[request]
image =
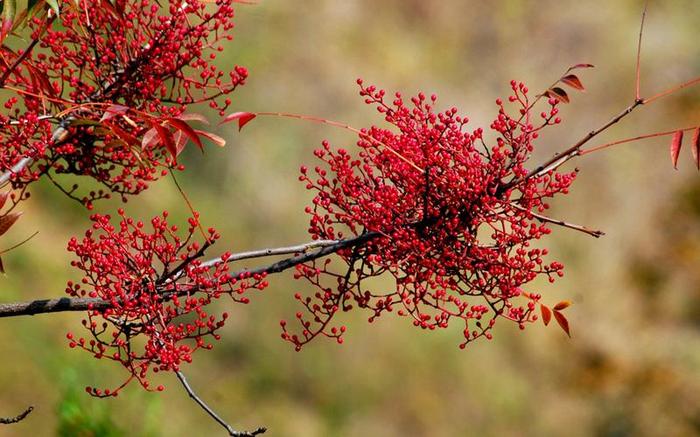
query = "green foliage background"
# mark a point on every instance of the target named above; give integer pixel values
(632, 367)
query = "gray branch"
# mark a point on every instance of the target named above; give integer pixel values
(324, 248)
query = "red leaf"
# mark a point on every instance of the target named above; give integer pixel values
(563, 323)
(557, 93)
(167, 139)
(2, 267)
(120, 5)
(187, 130)
(8, 220)
(573, 81)
(5, 28)
(695, 147)
(242, 117)
(676, 144)
(150, 138)
(40, 80)
(3, 198)
(106, 4)
(562, 305)
(125, 136)
(180, 142)
(546, 314)
(114, 110)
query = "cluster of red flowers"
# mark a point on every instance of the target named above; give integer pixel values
(450, 217)
(102, 91)
(156, 287)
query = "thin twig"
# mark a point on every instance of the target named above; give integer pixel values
(189, 204)
(637, 138)
(13, 247)
(19, 418)
(575, 227)
(363, 135)
(573, 151)
(671, 90)
(213, 414)
(639, 54)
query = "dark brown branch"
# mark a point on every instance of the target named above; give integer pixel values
(213, 414)
(19, 418)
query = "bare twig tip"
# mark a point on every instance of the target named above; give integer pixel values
(19, 418)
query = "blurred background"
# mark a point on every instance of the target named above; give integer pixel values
(632, 366)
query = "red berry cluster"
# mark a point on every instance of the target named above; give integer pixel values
(446, 212)
(142, 54)
(150, 284)
(102, 91)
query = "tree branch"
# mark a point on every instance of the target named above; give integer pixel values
(213, 414)
(19, 418)
(57, 135)
(274, 251)
(43, 306)
(560, 158)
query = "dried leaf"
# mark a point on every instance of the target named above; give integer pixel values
(212, 137)
(2, 267)
(242, 117)
(190, 116)
(562, 305)
(546, 314)
(573, 81)
(574, 67)
(7, 220)
(557, 93)
(563, 323)
(676, 144)
(695, 147)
